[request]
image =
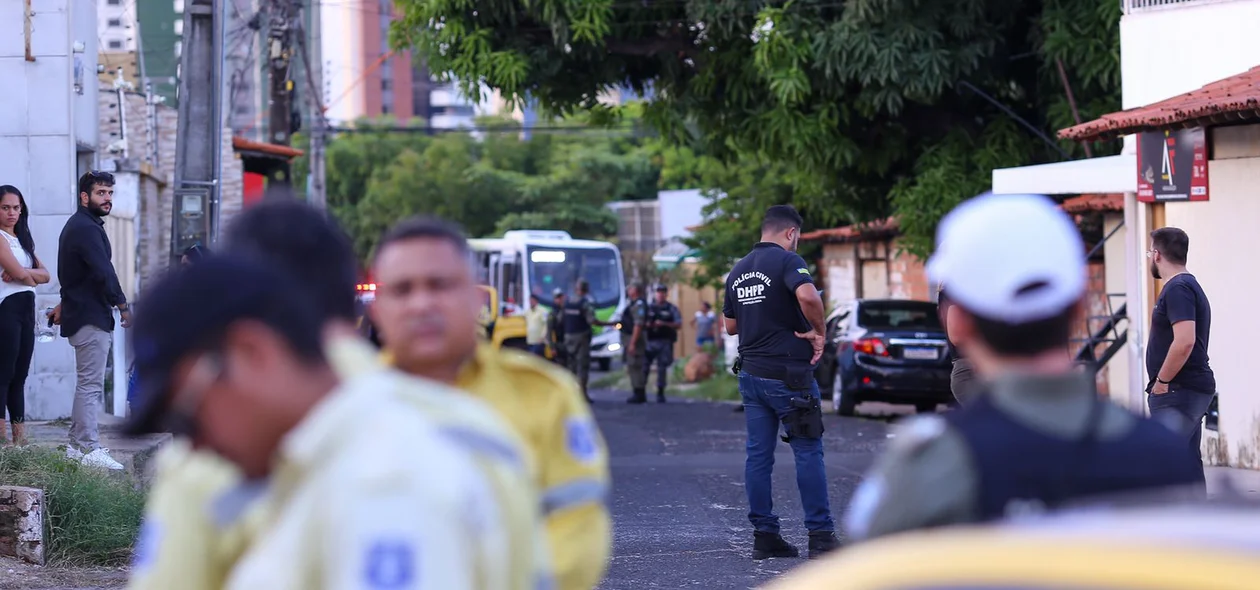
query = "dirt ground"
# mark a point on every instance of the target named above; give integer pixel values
(18, 575)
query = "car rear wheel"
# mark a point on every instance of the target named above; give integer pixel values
(840, 402)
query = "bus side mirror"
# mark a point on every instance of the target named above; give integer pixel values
(489, 305)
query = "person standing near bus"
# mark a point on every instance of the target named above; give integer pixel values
(536, 322)
(579, 322)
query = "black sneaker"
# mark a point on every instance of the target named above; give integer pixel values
(821, 543)
(638, 397)
(766, 545)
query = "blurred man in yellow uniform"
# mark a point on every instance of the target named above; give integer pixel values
(346, 507)
(201, 515)
(423, 270)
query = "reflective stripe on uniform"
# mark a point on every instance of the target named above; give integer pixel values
(480, 443)
(574, 493)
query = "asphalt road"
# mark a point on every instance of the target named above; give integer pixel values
(679, 510)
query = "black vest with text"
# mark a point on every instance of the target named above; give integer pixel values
(662, 312)
(575, 317)
(1017, 465)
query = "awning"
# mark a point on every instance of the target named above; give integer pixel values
(673, 254)
(1111, 174)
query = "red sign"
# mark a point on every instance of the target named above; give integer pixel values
(1172, 166)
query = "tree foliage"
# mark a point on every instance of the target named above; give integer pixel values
(488, 184)
(855, 109)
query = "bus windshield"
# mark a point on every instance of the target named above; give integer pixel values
(561, 268)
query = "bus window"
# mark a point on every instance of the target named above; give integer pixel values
(562, 268)
(511, 288)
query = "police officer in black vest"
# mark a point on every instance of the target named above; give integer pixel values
(579, 322)
(1039, 437)
(663, 322)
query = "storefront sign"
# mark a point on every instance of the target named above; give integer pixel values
(1172, 166)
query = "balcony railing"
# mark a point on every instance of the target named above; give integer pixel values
(1132, 6)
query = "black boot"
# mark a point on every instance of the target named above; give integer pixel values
(822, 542)
(638, 397)
(660, 395)
(766, 545)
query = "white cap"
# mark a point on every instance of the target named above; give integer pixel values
(1010, 258)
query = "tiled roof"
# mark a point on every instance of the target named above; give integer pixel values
(1232, 99)
(856, 233)
(1086, 203)
(241, 144)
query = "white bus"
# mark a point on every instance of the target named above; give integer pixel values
(540, 262)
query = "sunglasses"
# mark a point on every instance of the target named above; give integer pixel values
(181, 414)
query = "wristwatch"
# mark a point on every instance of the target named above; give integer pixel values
(123, 307)
(1158, 380)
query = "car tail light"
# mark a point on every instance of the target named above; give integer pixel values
(873, 346)
(365, 287)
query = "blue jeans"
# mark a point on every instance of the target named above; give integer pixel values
(1182, 411)
(766, 402)
(538, 349)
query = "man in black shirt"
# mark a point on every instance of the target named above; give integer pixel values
(1182, 384)
(772, 304)
(89, 294)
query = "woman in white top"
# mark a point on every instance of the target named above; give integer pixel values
(21, 272)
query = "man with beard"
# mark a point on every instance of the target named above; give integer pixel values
(424, 277)
(1182, 384)
(772, 304)
(89, 294)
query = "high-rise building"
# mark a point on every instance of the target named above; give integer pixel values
(118, 35)
(365, 79)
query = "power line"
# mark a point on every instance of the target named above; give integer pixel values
(620, 130)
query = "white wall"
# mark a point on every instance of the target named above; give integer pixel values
(1218, 251)
(41, 120)
(679, 210)
(1168, 51)
(1171, 51)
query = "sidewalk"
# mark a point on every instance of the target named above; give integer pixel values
(1247, 481)
(133, 453)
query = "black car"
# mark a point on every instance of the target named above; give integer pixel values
(887, 350)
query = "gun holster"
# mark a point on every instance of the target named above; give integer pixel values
(737, 365)
(805, 419)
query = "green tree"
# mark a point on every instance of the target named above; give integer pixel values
(870, 107)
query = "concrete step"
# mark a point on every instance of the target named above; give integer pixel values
(135, 454)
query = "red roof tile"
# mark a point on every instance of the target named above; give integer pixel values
(1231, 99)
(1086, 203)
(241, 144)
(856, 232)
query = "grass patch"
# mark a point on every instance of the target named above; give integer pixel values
(722, 387)
(612, 380)
(93, 515)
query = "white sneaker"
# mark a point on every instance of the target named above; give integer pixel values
(100, 458)
(74, 454)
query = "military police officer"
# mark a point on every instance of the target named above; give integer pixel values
(555, 329)
(1040, 436)
(579, 321)
(634, 334)
(663, 320)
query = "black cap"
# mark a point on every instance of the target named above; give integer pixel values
(661, 287)
(189, 310)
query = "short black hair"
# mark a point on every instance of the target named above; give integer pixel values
(306, 243)
(93, 178)
(583, 286)
(779, 218)
(224, 289)
(425, 227)
(197, 252)
(1172, 243)
(1028, 338)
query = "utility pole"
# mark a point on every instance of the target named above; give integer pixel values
(198, 144)
(280, 53)
(317, 195)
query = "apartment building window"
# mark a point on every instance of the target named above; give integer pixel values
(114, 2)
(115, 22)
(387, 84)
(179, 27)
(115, 44)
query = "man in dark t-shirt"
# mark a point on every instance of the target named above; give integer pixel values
(1182, 384)
(772, 304)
